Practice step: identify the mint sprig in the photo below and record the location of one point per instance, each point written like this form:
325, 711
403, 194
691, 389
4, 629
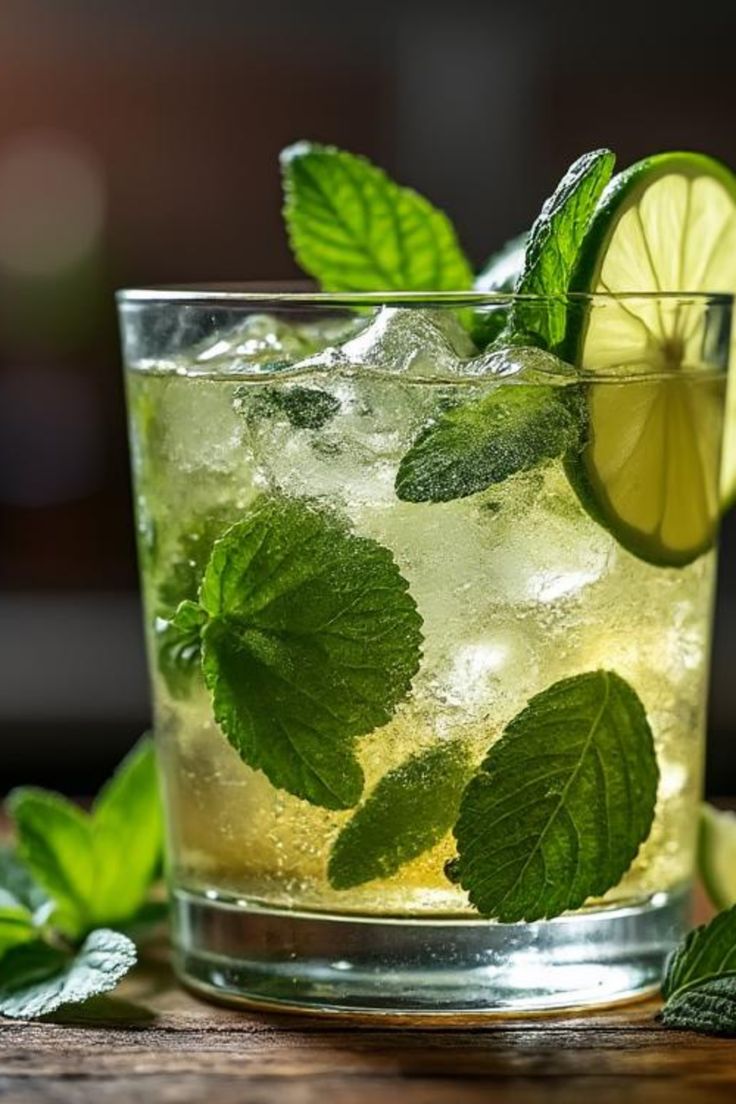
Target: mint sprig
562, 802
410, 810
96, 867
71, 875
354, 229
310, 640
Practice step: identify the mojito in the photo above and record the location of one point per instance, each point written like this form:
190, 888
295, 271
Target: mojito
428, 581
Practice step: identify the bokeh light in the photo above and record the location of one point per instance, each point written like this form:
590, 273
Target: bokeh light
52, 203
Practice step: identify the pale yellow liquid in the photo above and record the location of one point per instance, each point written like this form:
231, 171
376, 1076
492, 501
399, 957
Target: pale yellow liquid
517, 588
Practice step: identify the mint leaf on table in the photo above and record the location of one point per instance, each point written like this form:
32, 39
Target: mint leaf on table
37, 979
55, 842
706, 952
708, 1008
554, 243
127, 831
700, 980
96, 867
562, 802
177, 626
477, 444
410, 810
312, 639
354, 229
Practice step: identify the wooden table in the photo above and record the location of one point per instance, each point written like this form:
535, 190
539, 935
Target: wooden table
154, 1042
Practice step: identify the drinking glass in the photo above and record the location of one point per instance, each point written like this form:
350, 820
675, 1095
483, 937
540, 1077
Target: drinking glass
357, 570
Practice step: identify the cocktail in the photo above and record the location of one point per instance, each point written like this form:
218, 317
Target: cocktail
428, 575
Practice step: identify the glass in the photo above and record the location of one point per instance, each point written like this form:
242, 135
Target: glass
237, 397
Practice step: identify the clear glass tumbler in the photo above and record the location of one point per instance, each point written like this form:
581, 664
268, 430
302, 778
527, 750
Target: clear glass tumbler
428, 612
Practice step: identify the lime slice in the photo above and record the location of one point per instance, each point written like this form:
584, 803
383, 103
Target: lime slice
717, 855
651, 466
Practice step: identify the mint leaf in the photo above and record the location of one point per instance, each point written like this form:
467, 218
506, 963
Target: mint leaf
127, 830
410, 809
705, 953
55, 842
353, 229
554, 242
312, 640
304, 407
709, 1008
700, 980
562, 802
97, 868
36, 979
477, 444
176, 626
24, 907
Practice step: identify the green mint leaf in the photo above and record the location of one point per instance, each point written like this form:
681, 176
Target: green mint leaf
700, 980
410, 809
706, 952
96, 868
24, 906
177, 629
55, 843
127, 830
562, 802
477, 444
312, 640
353, 229
708, 1008
36, 979
554, 242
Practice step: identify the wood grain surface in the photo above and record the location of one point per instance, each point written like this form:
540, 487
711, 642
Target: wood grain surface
154, 1042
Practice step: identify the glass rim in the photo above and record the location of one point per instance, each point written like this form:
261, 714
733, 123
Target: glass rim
284, 294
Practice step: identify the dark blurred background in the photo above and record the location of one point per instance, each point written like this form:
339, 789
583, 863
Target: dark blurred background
138, 145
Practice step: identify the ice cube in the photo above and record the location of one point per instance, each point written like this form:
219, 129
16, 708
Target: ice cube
547, 553
423, 343
380, 403
536, 365
265, 343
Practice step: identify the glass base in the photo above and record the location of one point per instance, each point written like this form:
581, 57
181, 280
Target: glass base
322, 962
